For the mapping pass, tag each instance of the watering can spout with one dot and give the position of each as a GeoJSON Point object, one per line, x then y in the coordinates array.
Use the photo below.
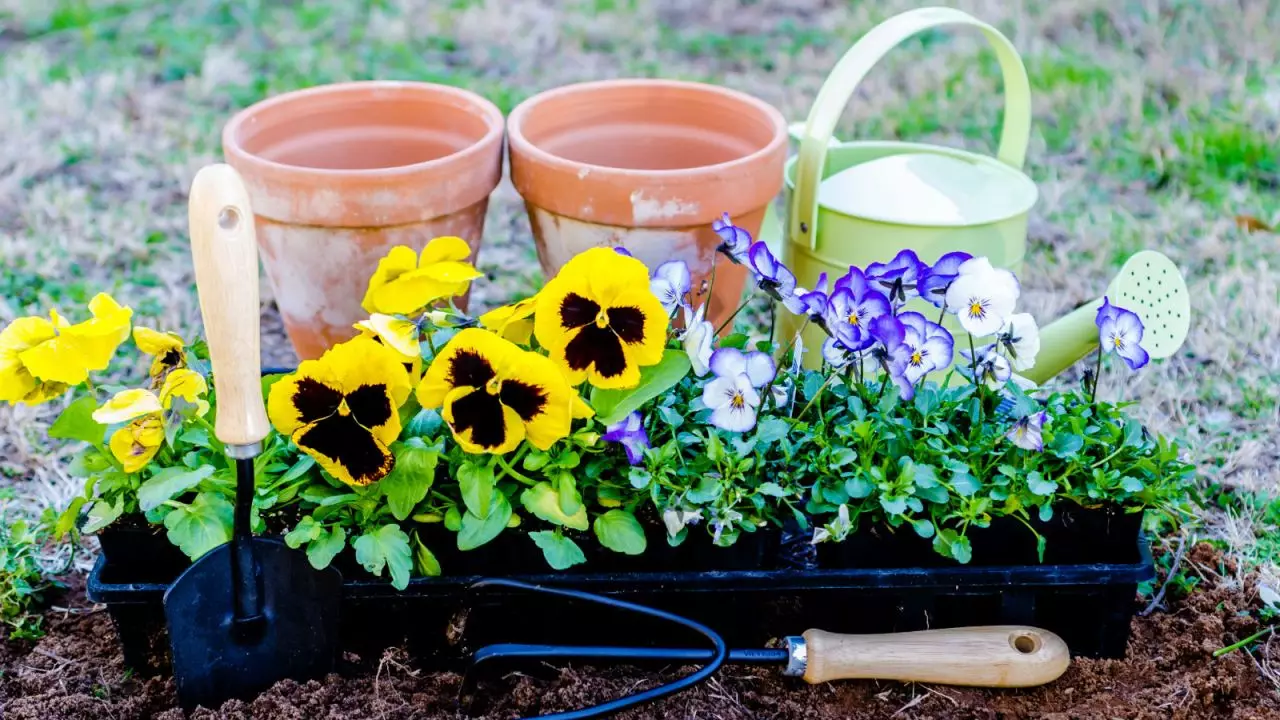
{"type": "Point", "coordinates": [1151, 286]}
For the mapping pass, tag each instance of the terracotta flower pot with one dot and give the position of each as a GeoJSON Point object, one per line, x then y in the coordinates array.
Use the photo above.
{"type": "Point", "coordinates": [647, 165]}
{"type": "Point", "coordinates": [339, 174]}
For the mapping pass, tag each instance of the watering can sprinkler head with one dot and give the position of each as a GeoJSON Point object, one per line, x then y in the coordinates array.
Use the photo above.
{"type": "Point", "coordinates": [1151, 286]}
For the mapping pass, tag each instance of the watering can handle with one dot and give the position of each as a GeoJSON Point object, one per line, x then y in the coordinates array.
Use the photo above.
{"type": "Point", "coordinates": [849, 71]}
{"type": "Point", "coordinates": [224, 251]}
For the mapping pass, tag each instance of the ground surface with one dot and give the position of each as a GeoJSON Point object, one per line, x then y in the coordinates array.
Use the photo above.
{"type": "Point", "coordinates": [76, 673]}
{"type": "Point", "coordinates": [1157, 125]}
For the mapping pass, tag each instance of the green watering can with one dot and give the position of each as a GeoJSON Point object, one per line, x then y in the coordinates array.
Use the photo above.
{"type": "Point", "coordinates": [890, 196]}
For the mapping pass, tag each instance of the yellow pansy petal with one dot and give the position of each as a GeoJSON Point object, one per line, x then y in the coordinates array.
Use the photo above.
{"type": "Point", "coordinates": [154, 342]}
{"type": "Point", "coordinates": [550, 401]}
{"type": "Point", "coordinates": [443, 249]}
{"type": "Point", "coordinates": [186, 384]}
{"type": "Point", "coordinates": [513, 322]}
{"type": "Point", "coordinates": [303, 397]}
{"type": "Point", "coordinates": [547, 322]}
{"type": "Point", "coordinates": [480, 423]}
{"type": "Point", "coordinates": [609, 273]}
{"type": "Point", "coordinates": [44, 392]}
{"type": "Point", "coordinates": [581, 410]}
{"type": "Point", "coordinates": [16, 381]}
{"type": "Point", "coordinates": [127, 405]}
{"type": "Point", "coordinates": [471, 356]}
{"type": "Point", "coordinates": [346, 450]}
{"type": "Point", "coordinates": [362, 361]}
{"type": "Point", "coordinates": [103, 334]}
{"type": "Point", "coordinates": [400, 260]}
{"type": "Point", "coordinates": [457, 273]}
{"type": "Point", "coordinates": [401, 335]}
{"type": "Point", "coordinates": [411, 292]}
{"type": "Point", "coordinates": [135, 444]}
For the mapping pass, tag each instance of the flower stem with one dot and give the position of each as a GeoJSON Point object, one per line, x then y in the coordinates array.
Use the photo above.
{"type": "Point", "coordinates": [512, 472]}
{"type": "Point", "coordinates": [1097, 372]}
{"type": "Point", "coordinates": [768, 389]}
{"type": "Point", "coordinates": [711, 286]}
{"type": "Point", "coordinates": [815, 397]}
{"type": "Point", "coordinates": [431, 344]}
{"type": "Point", "coordinates": [977, 383]}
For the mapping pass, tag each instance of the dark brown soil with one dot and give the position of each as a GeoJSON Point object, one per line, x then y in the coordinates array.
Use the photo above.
{"type": "Point", "coordinates": [76, 672]}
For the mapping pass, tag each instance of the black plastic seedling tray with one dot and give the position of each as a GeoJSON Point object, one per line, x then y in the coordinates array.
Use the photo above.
{"type": "Point", "coordinates": [441, 619]}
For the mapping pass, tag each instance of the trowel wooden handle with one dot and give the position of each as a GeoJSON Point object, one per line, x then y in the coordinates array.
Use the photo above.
{"type": "Point", "coordinates": [993, 656]}
{"type": "Point", "coordinates": [224, 251]}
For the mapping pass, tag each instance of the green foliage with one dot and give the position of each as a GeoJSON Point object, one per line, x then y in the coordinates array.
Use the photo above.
{"type": "Point", "coordinates": [22, 580]}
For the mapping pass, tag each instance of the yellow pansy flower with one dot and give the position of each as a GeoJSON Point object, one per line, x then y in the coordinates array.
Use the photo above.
{"type": "Point", "coordinates": [513, 322]}
{"type": "Point", "coordinates": [188, 385]}
{"type": "Point", "coordinates": [17, 384]}
{"type": "Point", "coordinates": [342, 408]}
{"type": "Point", "coordinates": [495, 394]}
{"type": "Point", "coordinates": [135, 444]}
{"type": "Point", "coordinates": [127, 405]}
{"type": "Point", "coordinates": [168, 352]}
{"type": "Point", "coordinates": [405, 283]}
{"type": "Point", "coordinates": [40, 358]}
{"type": "Point", "coordinates": [393, 333]}
{"type": "Point", "coordinates": [599, 320]}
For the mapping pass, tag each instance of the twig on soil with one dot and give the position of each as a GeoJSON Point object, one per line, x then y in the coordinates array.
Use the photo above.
{"type": "Point", "coordinates": [914, 702]}
{"type": "Point", "coordinates": [1237, 645]}
{"type": "Point", "coordinates": [52, 656]}
{"type": "Point", "coordinates": [1173, 570]}
{"type": "Point", "coordinates": [948, 698]}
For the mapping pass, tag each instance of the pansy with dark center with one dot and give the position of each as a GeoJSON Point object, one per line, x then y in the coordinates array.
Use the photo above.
{"type": "Point", "coordinates": [810, 303]}
{"type": "Point", "coordinates": [851, 308]}
{"type": "Point", "coordinates": [343, 408]}
{"type": "Point", "coordinates": [599, 320]}
{"type": "Point", "coordinates": [1026, 434]}
{"type": "Point", "coordinates": [987, 365]}
{"type": "Point", "coordinates": [630, 433]}
{"type": "Point", "coordinates": [935, 281]}
{"type": "Point", "coordinates": [494, 394]}
{"type": "Point", "coordinates": [897, 279]}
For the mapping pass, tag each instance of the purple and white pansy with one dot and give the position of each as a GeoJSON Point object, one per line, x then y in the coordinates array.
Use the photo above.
{"type": "Point", "coordinates": [899, 278]}
{"type": "Point", "coordinates": [734, 241]}
{"type": "Point", "coordinates": [732, 396]}
{"type": "Point", "coordinates": [892, 353]}
{"type": "Point", "coordinates": [1020, 340]}
{"type": "Point", "coordinates": [1120, 331]}
{"type": "Point", "coordinates": [929, 344]}
{"type": "Point", "coordinates": [809, 303]}
{"type": "Point", "coordinates": [1025, 433]}
{"type": "Point", "coordinates": [982, 297]}
{"type": "Point", "coordinates": [772, 276]}
{"type": "Point", "coordinates": [671, 281]}
{"type": "Point", "coordinates": [697, 338]}
{"type": "Point", "coordinates": [630, 433]}
{"type": "Point", "coordinates": [933, 286]}
{"type": "Point", "coordinates": [852, 307]}
{"type": "Point", "coordinates": [989, 367]}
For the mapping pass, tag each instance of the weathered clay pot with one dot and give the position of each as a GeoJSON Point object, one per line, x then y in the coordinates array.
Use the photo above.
{"type": "Point", "coordinates": [647, 165]}
{"type": "Point", "coordinates": [339, 174]}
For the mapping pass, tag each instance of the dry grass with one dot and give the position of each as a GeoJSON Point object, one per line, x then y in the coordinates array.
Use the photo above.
{"type": "Point", "coordinates": [1156, 125]}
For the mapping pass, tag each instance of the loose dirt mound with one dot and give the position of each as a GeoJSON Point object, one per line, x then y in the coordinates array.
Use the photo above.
{"type": "Point", "coordinates": [76, 672]}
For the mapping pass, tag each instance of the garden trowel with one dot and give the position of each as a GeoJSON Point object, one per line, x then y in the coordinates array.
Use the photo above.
{"type": "Point", "coordinates": [1151, 286]}
{"type": "Point", "coordinates": [251, 611]}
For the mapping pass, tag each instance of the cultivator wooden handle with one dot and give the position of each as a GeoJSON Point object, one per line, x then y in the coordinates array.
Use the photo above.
{"type": "Point", "coordinates": [224, 250]}
{"type": "Point", "coordinates": [992, 656]}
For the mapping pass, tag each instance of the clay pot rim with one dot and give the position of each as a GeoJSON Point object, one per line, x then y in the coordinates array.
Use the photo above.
{"type": "Point", "coordinates": [518, 143]}
{"type": "Point", "coordinates": [483, 106]}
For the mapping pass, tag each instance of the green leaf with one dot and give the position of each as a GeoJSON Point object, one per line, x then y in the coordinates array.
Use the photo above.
{"type": "Point", "coordinates": [1132, 484]}
{"type": "Point", "coordinates": [387, 546]}
{"type": "Point", "coordinates": [201, 526]}
{"type": "Point", "coordinates": [619, 531]}
{"type": "Point", "coordinates": [735, 340]}
{"type": "Point", "coordinates": [841, 457]}
{"type": "Point", "coordinates": [305, 463]}
{"type": "Point", "coordinates": [771, 489]}
{"type": "Point", "coordinates": [960, 549]}
{"type": "Point", "coordinates": [612, 406]}
{"type": "Point", "coordinates": [567, 491]}
{"type": "Point", "coordinates": [67, 518]}
{"type": "Point", "coordinates": [426, 560]}
{"type": "Point", "coordinates": [893, 506]}
{"type": "Point", "coordinates": [77, 423]}
{"type": "Point", "coordinates": [477, 531]}
{"type": "Point", "coordinates": [306, 531]}
{"type": "Point", "coordinates": [1046, 512]}
{"type": "Point", "coordinates": [933, 493]}
{"type": "Point", "coordinates": [411, 478]}
{"type": "Point", "coordinates": [1038, 485]}
{"type": "Point", "coordinates": [476, 482]}
{"type": "Point", "coordinates": [923, 528]}
{"type": "Point", "coordinates": [168, 484]}
{"type": "Point", "coordinates": [858, 486]}
{"type": "Point", "coordinates": [536, 460]}
{"type": "Point", "coordinates": [771, 430]}
{"type": "Point", "coordinates": [1066, 445]}
{"type": "Point", "coordinates": [452, 519]}
{"type": "Point", "coordinates": [544, 502]}
{"type": "Point", "coordinates": [102, 514]}
{"type": "Point", "coordinates": [708, 489]}
{"type": "Point", "coordinates": [924, 476]}
{"type": "Point", "coordinates": [561, 552]}
{"type": "Point", "coordinates": [965, 484]}
{"type": "Point", "coordinates": [639, 478]}
{"type": "Point", "coordinates": [324, 548]}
